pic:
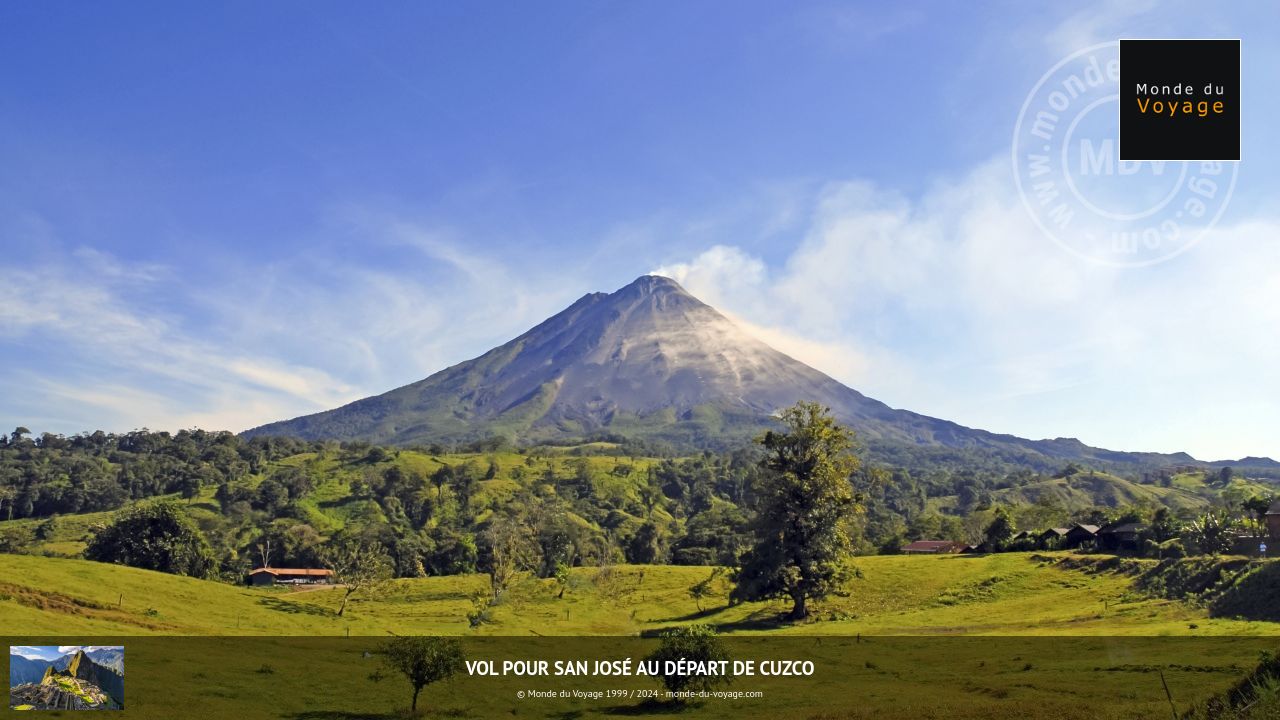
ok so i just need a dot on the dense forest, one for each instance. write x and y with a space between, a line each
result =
439 510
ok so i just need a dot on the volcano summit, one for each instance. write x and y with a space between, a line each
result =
649 361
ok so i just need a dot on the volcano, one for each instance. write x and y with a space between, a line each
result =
649 361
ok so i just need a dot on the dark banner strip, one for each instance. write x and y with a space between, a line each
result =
306 678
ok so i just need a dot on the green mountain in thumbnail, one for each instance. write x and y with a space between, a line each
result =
83 685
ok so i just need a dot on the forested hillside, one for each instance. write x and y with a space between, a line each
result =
440 511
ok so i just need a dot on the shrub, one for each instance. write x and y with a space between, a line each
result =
1174 548
697 643
153 536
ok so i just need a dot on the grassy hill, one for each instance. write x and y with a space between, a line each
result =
1057 632
1087 488
1008 594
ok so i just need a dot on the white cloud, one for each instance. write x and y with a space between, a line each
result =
956 305
93 311
116 345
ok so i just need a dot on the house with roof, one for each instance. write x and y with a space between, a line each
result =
1114 537
1079 534
1052 538
290 576
1273 520
934 547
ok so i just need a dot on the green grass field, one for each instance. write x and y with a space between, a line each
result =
1036 635
1047 635
1006 594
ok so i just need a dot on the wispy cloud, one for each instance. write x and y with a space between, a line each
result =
1104 21
118 345
32 652
957 305
97 314
53 652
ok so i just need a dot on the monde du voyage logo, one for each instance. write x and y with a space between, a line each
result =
1124 152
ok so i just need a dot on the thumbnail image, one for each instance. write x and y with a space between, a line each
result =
66 677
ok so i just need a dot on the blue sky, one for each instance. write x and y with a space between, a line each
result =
227 215
51 652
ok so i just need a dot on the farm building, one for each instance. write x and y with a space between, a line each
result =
1273 520
1052 538
1124 536
1079 535
934 547
290 576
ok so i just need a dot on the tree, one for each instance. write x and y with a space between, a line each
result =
7 495
153 536
466 483
359 566
1225 475
1164 526
46 530
1211 533
695 643
702 588
805 504
998 534
651 497
423 660
441 477
1257 507
508 550
649 545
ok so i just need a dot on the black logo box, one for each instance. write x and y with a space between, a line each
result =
1158 74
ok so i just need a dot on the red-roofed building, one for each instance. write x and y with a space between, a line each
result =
1273 520
290 576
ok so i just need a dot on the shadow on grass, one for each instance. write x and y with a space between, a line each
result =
294 608
756 621
771 622
697 615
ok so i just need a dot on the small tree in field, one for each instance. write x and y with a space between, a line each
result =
508 550
697 643
359 566
806 501
703 588
423 660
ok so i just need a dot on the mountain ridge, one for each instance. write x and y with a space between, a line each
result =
650 361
